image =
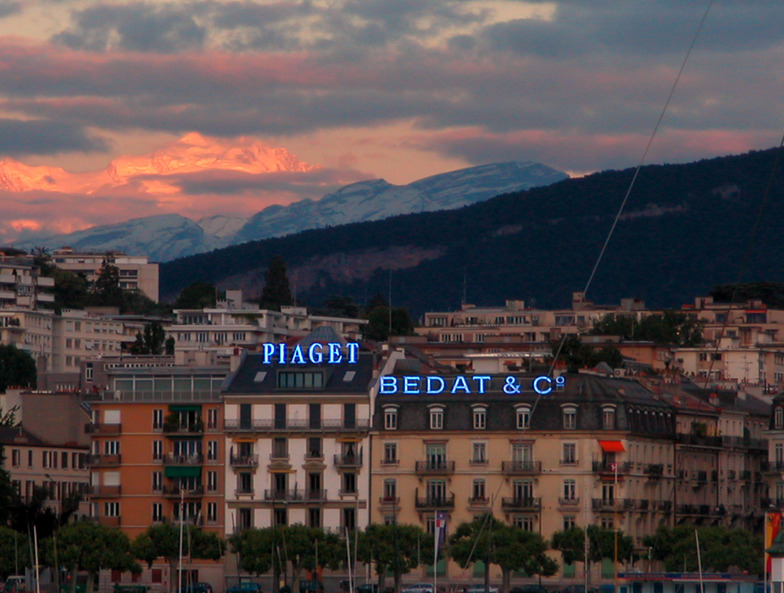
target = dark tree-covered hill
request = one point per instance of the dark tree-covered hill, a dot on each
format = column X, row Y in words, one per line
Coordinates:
column 685, row 229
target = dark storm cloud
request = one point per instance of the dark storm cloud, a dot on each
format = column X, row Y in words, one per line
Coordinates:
column 133, row 27
column 45, row 137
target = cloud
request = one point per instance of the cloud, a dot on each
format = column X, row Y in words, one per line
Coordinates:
column 134, row 27
column 30, row 137
column 9, row 7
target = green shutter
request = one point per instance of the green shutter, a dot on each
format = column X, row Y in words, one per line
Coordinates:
column 182, row 472
column 184, row 408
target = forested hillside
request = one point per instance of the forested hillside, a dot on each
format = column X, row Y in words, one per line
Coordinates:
column 685, row 229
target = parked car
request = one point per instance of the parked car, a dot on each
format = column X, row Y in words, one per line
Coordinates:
column 367, row 588
column 197, row 588
column 15, row 584
column 481, row 589
column 306, row 586
column 529, row 589
column 419, row 588
column 246, row 587
column 578, row 589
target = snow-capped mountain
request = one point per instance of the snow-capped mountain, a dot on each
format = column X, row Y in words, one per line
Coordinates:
column 377, row 199
column 167, row 237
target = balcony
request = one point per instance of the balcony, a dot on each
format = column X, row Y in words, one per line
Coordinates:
column 521, row 468
column 294, row 425
column 244, row 460
column 389, row 501
column 174, row 428
column 654, row 471
column 610, row 468
column 664, row 506
column 348, row 461
column 315, row 495
column 104, row 460
column 699, row 440
column 522, row 504
column 433, row 467
column 194, row 459
column 434, row 503
column 478, row 501
column 283, row 495
column 568, row 502
column 774, row 467
column 177, row 491
column 244, row 491
column 102, row 428
column 104, row 491
column 110, row 521
column 612, row 504
column 643, row 505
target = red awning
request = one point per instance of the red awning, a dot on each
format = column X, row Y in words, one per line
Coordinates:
column 612, row 446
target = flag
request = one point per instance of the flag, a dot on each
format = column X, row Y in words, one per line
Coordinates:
column 440, row 533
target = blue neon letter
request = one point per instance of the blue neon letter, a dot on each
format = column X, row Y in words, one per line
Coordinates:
column 543, row 390
column 335, row 355
column 411, row 385
column 269, row 350
column 353, row 350
column 460, row 384
column 483, row 380
column 314, row 353
column 435, row 390
column 388, row 385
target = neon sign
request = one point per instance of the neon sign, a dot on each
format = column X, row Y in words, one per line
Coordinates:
column 435, row 385
column 331, row 353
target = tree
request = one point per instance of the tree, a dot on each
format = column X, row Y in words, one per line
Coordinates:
column 71, row 290
column 601, row 544
column 152, row 341
column 669, row 328
column 17, row 368
column 276, row 290
column 577, row 355
column 90, row 547
column 163, row 541
column 255, row 549
column 197, row 295
column 721, row 548
column 14, row 552
column 393, row 548
column 491, row 541
column 378, row 323
column 106, row 291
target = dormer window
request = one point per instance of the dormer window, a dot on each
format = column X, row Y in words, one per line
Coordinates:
column 436, row 418
column 390, row 418
column 523, row 417
column 778, row 418
column 569, row 416
column 479, row 417
column 608, row 417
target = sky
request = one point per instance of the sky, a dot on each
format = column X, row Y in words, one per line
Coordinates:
column 362, row 89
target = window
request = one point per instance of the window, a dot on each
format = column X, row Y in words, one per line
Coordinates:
column 608, row 418
column 390, row 418
column 300, row 380
column 157, row 419
column 524, row 522
column 608, row 493
column 314, row 447
column 157, row 512
column 478, row 491
column 480, row 418
column 212, row 450
column 436, row 418
column 390, row 453
column 16, row 457
column 349, row 483
column 349, row 519
column 212, row 512
column 157, row 450
column 281, row 517
column 280, row 448
column 112, row 448
column 390, row 489
column 479, row 453
column 280, row 416
column 523, row 414
column 111, row 509
column 64, row 460
column 244, row 519
column 314, row 517
column 569, row 418
column 45, row 459
column 212, row 481
column 245, row 483
column 212, row 418
column 569, row 522
column 30, row 458
column 157, row 481
column 778, row 418
column 569, row 455
column 314, row 416
column 569, row 490
column 349, row 415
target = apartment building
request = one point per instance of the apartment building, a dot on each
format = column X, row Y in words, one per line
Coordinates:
column 156, row 451
column 598, row 450
column 297, row 439
column 136, row 271
column 21, row 284
column 237, row 323
column 33, row 462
